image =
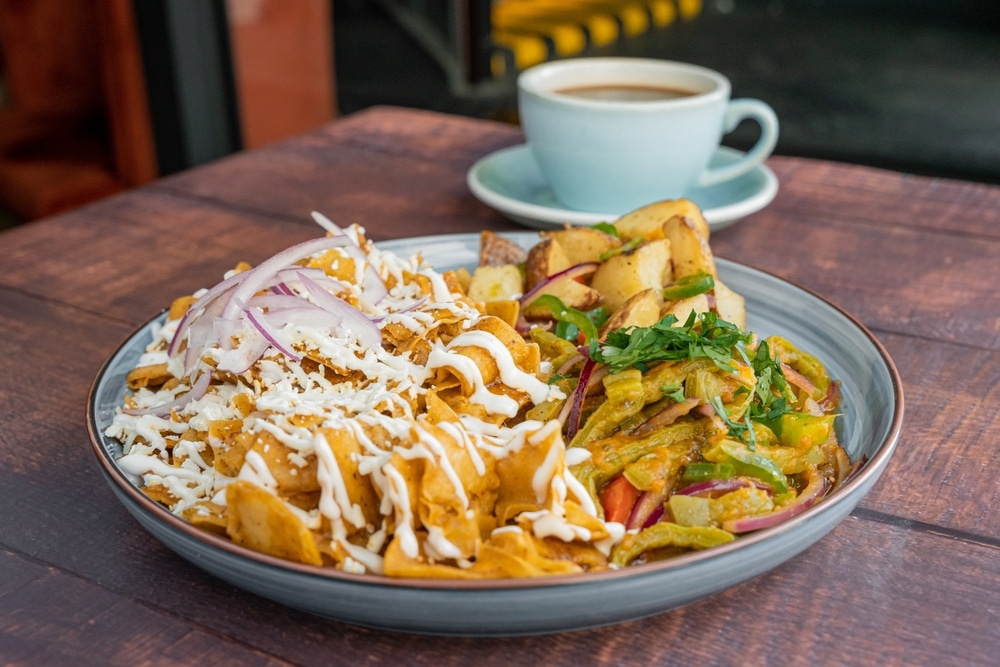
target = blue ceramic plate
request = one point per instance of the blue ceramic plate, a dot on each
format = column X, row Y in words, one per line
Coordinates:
column 872, row 418
column 510, row 182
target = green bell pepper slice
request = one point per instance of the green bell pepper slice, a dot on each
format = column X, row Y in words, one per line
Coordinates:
column 689, row 286
column 666, row 534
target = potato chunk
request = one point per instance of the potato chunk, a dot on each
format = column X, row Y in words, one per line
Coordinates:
column 647, row 221
column 583, row 244
column 495, row 283
column 730, row 306
column 495, row 250
column 691, row 252
column 622, row 276
column 569, row 291
column 641, row 310
column 545, row 259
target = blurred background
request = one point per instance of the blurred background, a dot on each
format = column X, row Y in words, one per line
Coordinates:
column 97, row 97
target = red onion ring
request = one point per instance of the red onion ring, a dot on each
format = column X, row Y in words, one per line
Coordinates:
column 575, row 271
column 197, row 390
column 271, row 333
column 360, row 325
column 648, row 510
column 812, row 493
column 373, row 285
column 714, row 487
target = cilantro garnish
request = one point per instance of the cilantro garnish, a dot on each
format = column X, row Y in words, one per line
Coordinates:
column 771, row 391
column 703, row 335
column 743, row 431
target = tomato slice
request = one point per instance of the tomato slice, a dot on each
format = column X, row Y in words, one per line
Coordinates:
column 618, row 498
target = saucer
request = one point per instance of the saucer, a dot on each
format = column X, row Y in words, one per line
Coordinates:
column 510, row 181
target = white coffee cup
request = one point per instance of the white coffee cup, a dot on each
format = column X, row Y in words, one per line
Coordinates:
column 602, row 149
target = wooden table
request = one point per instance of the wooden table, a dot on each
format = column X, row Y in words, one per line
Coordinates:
column 911, row 577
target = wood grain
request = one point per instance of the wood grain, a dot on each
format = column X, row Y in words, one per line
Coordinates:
column 912, row 577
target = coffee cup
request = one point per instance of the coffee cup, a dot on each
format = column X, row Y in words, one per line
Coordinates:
column 613, row 134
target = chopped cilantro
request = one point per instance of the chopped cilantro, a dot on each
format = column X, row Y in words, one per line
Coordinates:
column 703, row 335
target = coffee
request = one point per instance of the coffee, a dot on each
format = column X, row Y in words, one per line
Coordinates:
column 626, row 93
column 601, row 155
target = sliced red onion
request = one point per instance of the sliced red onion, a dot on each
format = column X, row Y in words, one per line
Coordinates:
column 597, row 377
column 711, row 488
column 203, row 301
column 832, row 398
column 327, row 224
column 856, row 468
column 261, row 275
column 306, row 314
column 648, row 510
column 367, row 332
column 798, row 379
column 241, row 286
column 291, row 275
column 196, row 391
column 809, row 496
column 206, row 329
column 275, row 301
column 271, row 333
column 569, row 363
column 239, row 360
column 200, row 335
column 222, row 313
column 412, row 306
column 576, row 399
column 571, row 273
column 705, row 410
column 374, row 287
column 667, row 416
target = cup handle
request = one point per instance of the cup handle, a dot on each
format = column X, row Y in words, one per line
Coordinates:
column 736, row 111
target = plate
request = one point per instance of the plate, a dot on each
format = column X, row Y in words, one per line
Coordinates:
column 510, row 181
column 872, row 418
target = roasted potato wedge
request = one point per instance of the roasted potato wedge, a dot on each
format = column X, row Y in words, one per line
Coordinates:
column 583, row 244
column 495, row 250
column 641, row 310
column 545, row 259
column 496, row 283
column 572, row 293
column 729, row 305
column 647, row 221
column 682, row 307
column 690, row 250
column 622, row 276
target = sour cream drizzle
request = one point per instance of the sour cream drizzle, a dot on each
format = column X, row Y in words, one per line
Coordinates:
column 371, row 393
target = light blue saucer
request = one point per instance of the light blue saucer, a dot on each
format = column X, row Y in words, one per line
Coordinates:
column 509, row 181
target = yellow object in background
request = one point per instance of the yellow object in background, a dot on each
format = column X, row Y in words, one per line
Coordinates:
column 529, row 32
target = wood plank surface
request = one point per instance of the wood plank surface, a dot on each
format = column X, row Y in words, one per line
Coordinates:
column 912, row 577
